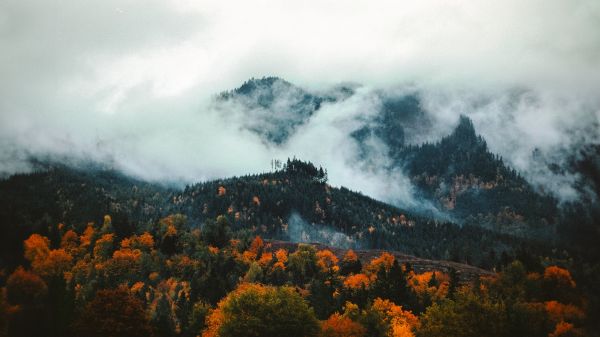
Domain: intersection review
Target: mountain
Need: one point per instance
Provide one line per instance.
(274, 108)
(399, 118)
(457, 174)
(465, 179)
(460, 176)
(87, 241)
(489, 208)
(580, 224)
(294, 204)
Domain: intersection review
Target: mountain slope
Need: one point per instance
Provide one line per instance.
(464, 178)
(290, 204)
(457, 174)
(37, 201)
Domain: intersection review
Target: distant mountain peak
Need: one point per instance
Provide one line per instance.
(273, 107)
(262, 91)
(465, 128)
(254, 84)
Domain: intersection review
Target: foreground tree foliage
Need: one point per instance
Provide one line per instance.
(113, 313)
(464, 316)
(174, 280)
(26, 295)
(254, 310)
(341, 326)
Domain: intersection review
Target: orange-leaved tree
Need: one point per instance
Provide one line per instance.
(340, 326)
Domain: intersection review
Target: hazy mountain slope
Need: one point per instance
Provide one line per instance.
(580, 224)
(464, 178)
(274, 108)
(457, 174)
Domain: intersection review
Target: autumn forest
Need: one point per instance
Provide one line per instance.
(177, 281)
(223, 258)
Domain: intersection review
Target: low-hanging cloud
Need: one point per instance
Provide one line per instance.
(301, 231)
(534, 130)
(131, 84)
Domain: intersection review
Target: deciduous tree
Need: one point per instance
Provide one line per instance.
(254, 310)
(340, 326)
(113, 313)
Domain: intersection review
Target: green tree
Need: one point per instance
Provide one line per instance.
(464, 316)
(162, 319)
(254, 310)
(391, 284)
(197, 319)
(254, 274)
(217, 233)
(529, 319)
(350, 263)
(303, 263)
(454, 282)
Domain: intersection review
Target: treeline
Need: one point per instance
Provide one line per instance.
(169, 279)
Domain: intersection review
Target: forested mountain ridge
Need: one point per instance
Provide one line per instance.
(458, 174)
(294, 203)
(61, 194)
(473, 184)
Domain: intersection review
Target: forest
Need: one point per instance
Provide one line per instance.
(76, 240)
(169, 279)
(177, 168)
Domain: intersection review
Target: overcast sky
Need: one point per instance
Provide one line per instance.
(129, 80)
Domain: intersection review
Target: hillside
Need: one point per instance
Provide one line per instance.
(464, 178)
(299, 168)
(286, 204)
(456, 174)
(87, 235)
(173, 254)
(59, 194)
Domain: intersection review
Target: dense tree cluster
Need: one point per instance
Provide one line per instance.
(257, 205)
(170, 279)
(461, 175)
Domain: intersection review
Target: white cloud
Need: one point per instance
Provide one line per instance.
(130, 81)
